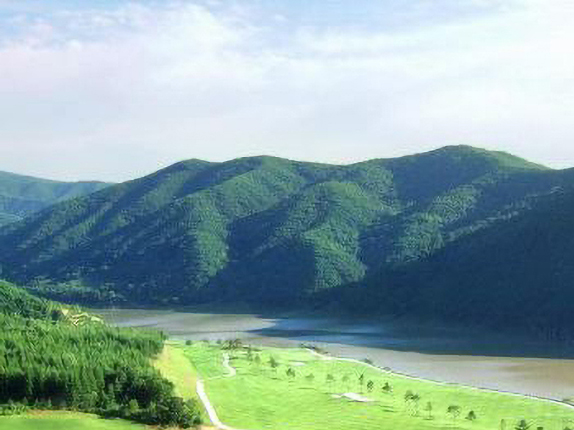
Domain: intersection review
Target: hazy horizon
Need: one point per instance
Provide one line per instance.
(113, 90)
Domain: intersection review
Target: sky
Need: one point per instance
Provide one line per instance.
(113, 90)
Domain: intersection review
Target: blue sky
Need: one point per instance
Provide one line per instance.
(123, 88)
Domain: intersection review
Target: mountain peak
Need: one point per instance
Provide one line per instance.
(501, 158)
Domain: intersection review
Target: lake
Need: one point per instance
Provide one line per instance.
(474, 358)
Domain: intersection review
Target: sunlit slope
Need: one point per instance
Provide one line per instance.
(268, 230)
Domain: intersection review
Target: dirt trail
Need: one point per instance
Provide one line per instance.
(200, 388)
(231, 372)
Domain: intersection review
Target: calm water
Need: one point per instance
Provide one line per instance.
(473, 358)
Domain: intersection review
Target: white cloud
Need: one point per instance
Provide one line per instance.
(113, 93)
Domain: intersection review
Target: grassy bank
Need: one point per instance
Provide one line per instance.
(301, 391)
(64, 420)
(176, 367)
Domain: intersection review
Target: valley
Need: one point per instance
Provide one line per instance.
(410, 264)
(512, 364)
(286, 215)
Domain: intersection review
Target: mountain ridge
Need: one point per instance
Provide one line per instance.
(21, 195)
(272, 231)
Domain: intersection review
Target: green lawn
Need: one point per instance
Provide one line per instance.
(262, 398)
(175, 366)
(64, 421)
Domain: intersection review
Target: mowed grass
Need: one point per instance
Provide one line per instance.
(176, 367)
(64, 421)
(260, 397)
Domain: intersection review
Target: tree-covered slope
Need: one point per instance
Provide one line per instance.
(48, 354)
(15, 301)
(23, 195)
(517, 272)
(268, 230)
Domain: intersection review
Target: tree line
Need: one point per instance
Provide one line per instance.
(53, 364)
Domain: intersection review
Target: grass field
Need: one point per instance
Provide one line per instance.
(175, 366)
(64, 421)
(260, 397)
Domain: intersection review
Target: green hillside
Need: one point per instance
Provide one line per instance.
(514, 273)
(15, 301)
(264, 229)
(47, 357)
(23, 195)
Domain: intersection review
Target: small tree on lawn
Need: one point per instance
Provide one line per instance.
(453, 411)
(290, 373)
(409, 398)
(428, 409)
(471, 416)
(522, 425)
(370, 386)
(362, 381)
(273, 363)
(415, 401)
(387, 389)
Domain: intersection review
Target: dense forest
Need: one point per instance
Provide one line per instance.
(23, 195)
(59, 358)
(514, 274)
(275, 232)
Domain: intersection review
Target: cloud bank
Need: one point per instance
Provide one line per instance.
(117, 91)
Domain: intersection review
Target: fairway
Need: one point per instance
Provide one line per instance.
(64, 421)
(174, 366)
(307, 392)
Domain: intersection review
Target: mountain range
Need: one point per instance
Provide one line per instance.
(23, 195)
(457, 234)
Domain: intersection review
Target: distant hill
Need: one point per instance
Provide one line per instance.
(23, 195)
(268, 230)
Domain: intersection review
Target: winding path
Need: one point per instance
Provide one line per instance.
(231, 372)
(200, 388)
(209, 407)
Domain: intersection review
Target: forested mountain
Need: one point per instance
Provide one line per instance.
(23, 195)
(269, 230)
(47, 357)
(515, 273)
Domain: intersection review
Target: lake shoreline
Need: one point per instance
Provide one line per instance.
(426, 352)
